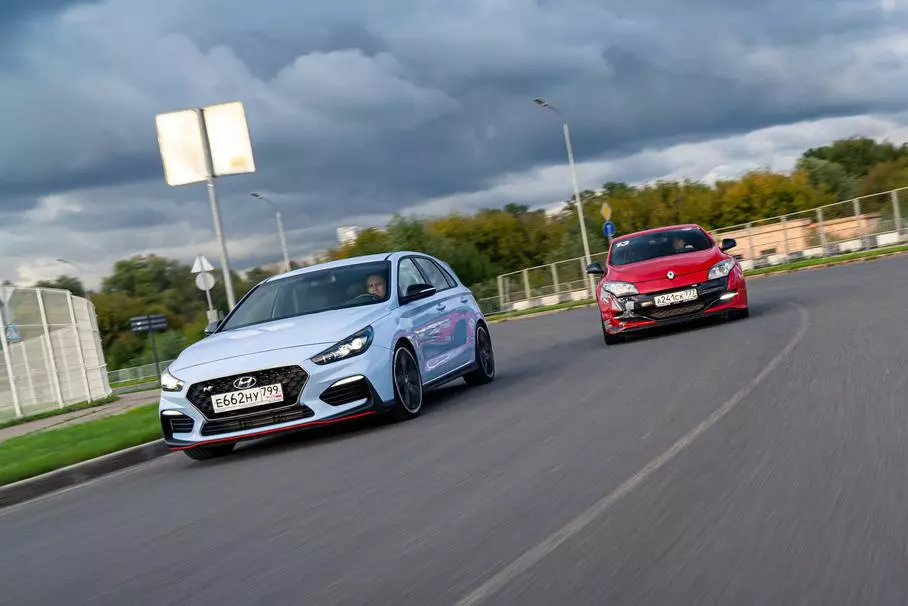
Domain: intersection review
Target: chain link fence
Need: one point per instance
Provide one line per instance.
(864, 223)
(51, 351)
(136, 373)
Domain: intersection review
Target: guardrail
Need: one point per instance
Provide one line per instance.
(136, 373)
(864, 223)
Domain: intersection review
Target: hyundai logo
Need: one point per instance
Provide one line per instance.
(244, 382)
(670, 275)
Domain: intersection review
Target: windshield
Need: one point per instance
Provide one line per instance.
(313, 292)
(660, 244)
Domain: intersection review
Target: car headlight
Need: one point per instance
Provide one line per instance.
(619, 289)
(170, 382)
(353, 345)
(720, 269)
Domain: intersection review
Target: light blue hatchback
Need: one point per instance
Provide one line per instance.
(322, 344)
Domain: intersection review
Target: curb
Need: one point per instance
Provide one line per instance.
(79, 473)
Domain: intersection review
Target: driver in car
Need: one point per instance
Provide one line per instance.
(375, 285)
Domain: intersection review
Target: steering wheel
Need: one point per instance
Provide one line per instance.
(364, 295)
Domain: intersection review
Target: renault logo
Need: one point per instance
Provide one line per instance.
(670, 275)
(244, 382)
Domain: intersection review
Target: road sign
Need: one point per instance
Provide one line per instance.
(149, 323)
(204, 281)
(608, 228)
(201, 264)
(606, 211)
(12, 334)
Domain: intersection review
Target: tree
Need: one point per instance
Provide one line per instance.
(858, 155)
(64, 282)
(830, 176)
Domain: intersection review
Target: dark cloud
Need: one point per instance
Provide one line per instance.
(361, 109)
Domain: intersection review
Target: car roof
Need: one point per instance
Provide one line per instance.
(656, 230)
(387, 256)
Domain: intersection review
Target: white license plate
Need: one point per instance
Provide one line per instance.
(247, 398)
(671, 298)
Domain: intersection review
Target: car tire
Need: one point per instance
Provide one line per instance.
(407, 381)
(740, 314)
(205, 453)
(484, 358)
(611, 339)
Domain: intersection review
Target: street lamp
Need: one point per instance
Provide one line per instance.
(577, 201)
(78, 269)
(280, 227)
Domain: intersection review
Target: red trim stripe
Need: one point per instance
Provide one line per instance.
(275, 430)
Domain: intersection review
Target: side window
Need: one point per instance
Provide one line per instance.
(407, 274)
(434, 274)
(448, 271)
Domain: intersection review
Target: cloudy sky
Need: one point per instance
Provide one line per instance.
(359, 109)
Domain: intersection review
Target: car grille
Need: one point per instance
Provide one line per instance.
(291, 378)
(676, 310)
(171, 424)
(255, 421)
(338, 395)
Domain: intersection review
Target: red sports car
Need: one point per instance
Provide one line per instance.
(667, 275)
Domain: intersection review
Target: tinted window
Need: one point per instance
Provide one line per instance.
(434, 274)
(313, 292)
(407, 275)
(661, 244)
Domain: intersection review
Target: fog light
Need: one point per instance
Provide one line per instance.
(727, 296)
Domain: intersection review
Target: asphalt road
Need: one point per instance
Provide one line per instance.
(753, 462)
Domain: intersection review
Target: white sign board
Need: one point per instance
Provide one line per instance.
(183, 147)
(201, 264)
(228, 135)
(182, 150)
(204, 281)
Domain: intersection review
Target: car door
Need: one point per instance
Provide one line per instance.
(456, 334)
(425, 319)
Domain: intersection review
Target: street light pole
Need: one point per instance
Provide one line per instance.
(280, 227)
(577, 200)
(78, 276)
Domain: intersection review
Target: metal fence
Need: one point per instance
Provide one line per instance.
(136, 373)
(864, 223)
(51, 349)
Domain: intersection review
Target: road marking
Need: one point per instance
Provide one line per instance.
(504, 576)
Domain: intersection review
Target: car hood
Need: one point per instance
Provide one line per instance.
(656, 269)
(324, 328)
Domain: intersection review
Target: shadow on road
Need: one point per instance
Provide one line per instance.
(435, 401)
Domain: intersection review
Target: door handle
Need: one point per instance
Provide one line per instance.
(440, 307)
(464, 299)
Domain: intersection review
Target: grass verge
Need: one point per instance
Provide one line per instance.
(59, 411)
(147, 381)
(538, 310)
(819, 262)
(37, 453)
(788, 267)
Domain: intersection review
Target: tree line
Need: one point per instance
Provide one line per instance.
(484, 244)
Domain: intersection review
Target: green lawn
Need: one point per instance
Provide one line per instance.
(59, 411)
(44, 451)
(149, 381)
(806, 263)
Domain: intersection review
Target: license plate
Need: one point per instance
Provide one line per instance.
(671, 298)
(247, 398)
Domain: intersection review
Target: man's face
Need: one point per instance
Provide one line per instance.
(376, 286)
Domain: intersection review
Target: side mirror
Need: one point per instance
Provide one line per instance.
(209, 330)
(728, 243)
(594, 269)
(416, 292)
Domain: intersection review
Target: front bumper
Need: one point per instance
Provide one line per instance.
(313, 396)
(639, 312)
